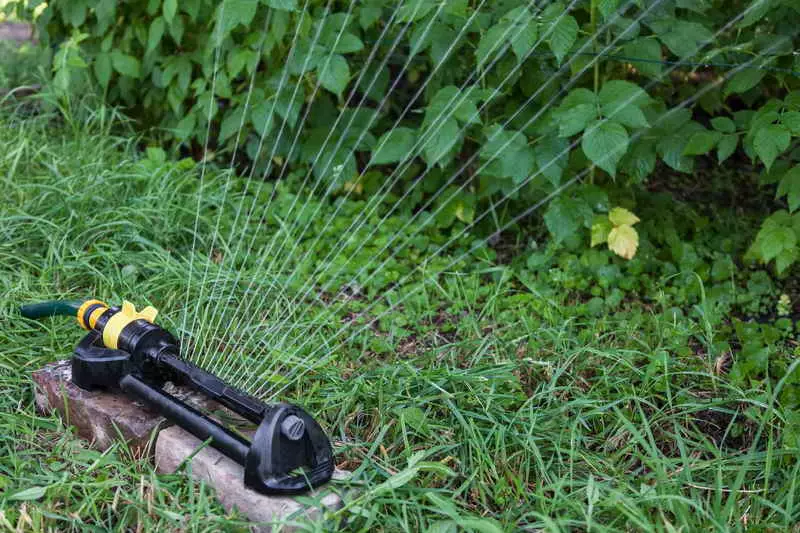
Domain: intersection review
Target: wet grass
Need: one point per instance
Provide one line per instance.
(475, 404)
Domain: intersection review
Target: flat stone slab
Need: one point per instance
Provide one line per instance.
(174, 446)
(103, 417)
(99, 417)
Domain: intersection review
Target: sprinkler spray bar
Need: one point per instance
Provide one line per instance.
(124, 349)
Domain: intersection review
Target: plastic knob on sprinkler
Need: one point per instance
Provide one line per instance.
(293, 427)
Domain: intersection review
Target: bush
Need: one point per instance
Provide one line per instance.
(461, 105)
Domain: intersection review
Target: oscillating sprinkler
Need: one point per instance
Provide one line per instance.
(124, 349)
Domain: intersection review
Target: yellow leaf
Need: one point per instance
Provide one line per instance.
(620, 216)
(623, 241)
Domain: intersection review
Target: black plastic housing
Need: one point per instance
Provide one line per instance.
(290, 452)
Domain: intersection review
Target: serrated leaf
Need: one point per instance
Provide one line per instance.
(623, 241)
(413, 10)
(743, 81)
(726, 146)
(563, 36)
(261, 117)
(169, 8)
(232, 13)
(604, 143)
(231, 124)
(565, 216)
(774, 239)
(552, 155)
(348, 44)
(620, 93)
(770, 142)
(573, 120)
(368, 16)
(790, 187)
(701, 142)
(185, 127)
(785, 259)
(155, 33)
(103, 68)
(491, 44)
(439, 144)
(620, 216)
(601, 227)
(648, 53)
(335, 75)
(125, 64)
(791, 119)
(630, 116)
(393, 146)
(284, 5)
(723, 125)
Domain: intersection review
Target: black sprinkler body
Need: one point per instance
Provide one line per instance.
(289, 453)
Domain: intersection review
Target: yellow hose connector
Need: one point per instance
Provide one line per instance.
(125, 316)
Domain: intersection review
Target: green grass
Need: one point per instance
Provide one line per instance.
(484, 401)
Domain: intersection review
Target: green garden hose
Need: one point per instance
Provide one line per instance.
(51, 308)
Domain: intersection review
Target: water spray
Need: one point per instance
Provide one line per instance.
(124, 349)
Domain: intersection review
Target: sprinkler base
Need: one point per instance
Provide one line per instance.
(102, 417)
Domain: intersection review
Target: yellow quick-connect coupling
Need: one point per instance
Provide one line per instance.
(122, 318)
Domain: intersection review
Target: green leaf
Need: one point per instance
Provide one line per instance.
(155, 33)
(103, 69)
(604, 143)
(75, 12)
(368, 16)
(413, 10)
(790, 187)
(262, 118)
(348, 44)
(701, 142)
(523, 31)
(601, 227)
(491, 44)
(630, 116)
(620, 216)
(770, 142)
(231, 124)
(32, 493)
(682, 37)
(552, 155)
(726, 147)
(507, 154)
(743, 81)
(785, 259)
(125, 64)
(774, 239)
(394, 146)
(439, 144)
(563, 36)
(616, 94)
(565, 216)
(169, 9)
(335, 75)
(723, 125)
(185, 127)
(648, 51)
(231, 13)
(791, 119)
(284, 5)
(574, 119)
